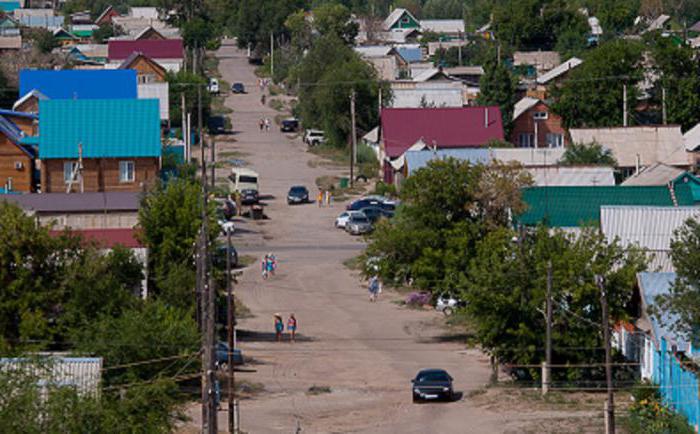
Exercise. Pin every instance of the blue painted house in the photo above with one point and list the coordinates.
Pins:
(665, 357)
(96, 145)
(79, 84)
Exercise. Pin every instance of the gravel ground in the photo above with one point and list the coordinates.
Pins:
(366, 353)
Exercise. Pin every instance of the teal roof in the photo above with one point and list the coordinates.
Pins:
(575, 206)
(105, 128)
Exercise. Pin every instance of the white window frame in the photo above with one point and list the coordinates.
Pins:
(554, 140)
(530, 140)
(124, 166)
(540, 116)
(68, 169)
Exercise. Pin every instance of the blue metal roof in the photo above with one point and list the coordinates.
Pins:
(652, 285)
(43, 21)
(10, 130)
(80, 84)
(410, 55)
(417, 159)
(105, 128)
(9, 6)
(6, 112)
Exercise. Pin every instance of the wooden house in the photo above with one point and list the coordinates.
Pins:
(536, 126)
(29, 102)
(16, 159)
(106, 16)
(99, 145)
(147, 69)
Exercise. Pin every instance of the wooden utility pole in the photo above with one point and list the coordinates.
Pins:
(610, 403)
(272, 55)
(353, 155)
(663, 105)
(184, 125)
(230, 323)
(547, 371)
(212, 154)
(199, 128)
(624, 105)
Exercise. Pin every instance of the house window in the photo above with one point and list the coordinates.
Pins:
(126, 171)
(540, 116)
(404, 20)
(70, 171)
(555, 140)
(146, 78)
(526, 140)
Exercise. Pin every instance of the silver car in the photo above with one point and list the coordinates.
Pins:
(358, 224)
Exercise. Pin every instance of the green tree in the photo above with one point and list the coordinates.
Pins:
(300, 30)
(497, 87)
(678, 68)
(187, 83)
(106, 31)
(42, 39)
(615, 16)
(505, 290)
(197, 32)
(593, 94)
(443, 9)
(335, 19)
(587, 154)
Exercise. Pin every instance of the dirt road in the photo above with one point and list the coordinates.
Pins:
(366, 353)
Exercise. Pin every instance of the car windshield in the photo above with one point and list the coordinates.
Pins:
(297, 190)
(432, 376)
(359, 219)
(245, 178)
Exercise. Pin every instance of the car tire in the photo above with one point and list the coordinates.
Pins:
(447, 311)
(416, 399)
(450, 396)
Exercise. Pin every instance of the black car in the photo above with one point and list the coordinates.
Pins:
(432, 384)
(374, 213)
(237, 88)
(218, 259)
(297, 194)
(363, 203)
(216, 125)
(222, 355)
(289, 125)
(249, 196)
(227, 210)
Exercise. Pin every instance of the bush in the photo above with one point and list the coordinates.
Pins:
(365, 154)
(418, 299)
(648, 415)
(384, 189)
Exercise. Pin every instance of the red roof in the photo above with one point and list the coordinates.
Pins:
(153, 48)
(106, 238)
(460, 127)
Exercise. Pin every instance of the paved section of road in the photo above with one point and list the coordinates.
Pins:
(365, 352)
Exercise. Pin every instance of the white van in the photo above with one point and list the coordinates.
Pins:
(214, 86)
(242, 178)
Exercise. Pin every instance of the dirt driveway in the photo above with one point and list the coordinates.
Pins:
(366, 353)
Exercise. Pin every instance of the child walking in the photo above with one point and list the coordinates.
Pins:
(292, 327)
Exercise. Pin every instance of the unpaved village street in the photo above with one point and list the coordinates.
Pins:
(366, 353)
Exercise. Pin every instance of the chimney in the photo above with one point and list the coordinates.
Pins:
(486, 117)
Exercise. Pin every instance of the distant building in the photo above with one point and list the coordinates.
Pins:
(169, 53)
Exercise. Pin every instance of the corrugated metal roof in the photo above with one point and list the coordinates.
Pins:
(9, 6)
(574, 206)
(418, 159)
(573, 176)
(105, 238)
(529, 157)
(657, 174)
(653, 144)
(434, 97)
(157, 91)
(105, 128)
(525, 104)
(526, 157)
(410, 54)
(648, 227)
(82, 373)
(651, 285)
(559, 70)
(77, 202)
(542, 60)
(79, 84)
(154, 48)
(374, 50)
(442, 26)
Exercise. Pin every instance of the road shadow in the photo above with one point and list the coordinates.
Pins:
(447, 338)
(256, 336)
(266, 197)
(456, 397)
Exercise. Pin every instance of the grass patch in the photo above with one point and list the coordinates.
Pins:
(232, 154)
(354, 263)
(318, 390)
(277, 104)
(336, 155)
(275, 90)
(211, 66)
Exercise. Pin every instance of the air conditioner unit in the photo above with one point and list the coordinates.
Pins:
(19, 165)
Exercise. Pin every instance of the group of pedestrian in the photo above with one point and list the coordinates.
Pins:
(268, 265)
(291, 327)
(324, 197)
(263, 83)
(264, 124)
(374, 286)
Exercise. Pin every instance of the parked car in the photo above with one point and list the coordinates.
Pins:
(225, 225)
(216, 125)
(297, 194)
(222, 355)
(290, 125)
(447, 303)
(374, 213)
(249, 196)
(432, 384)
(237, 88)
(362, 203)
(343, 218)
(213, 86)
(358, 224)
(218, 258)
(314, 137)
(228, 209)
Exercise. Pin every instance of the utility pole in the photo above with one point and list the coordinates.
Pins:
(272, 55)
(379, 98)
(184, 125)
(230, 323)
(624, 105)
(199, 128)
(212, 149)
(353, 155)
(663, 105)
(610, 403)
(547, 371)
(459, 54)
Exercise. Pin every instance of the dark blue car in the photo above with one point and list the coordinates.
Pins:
(222, 354)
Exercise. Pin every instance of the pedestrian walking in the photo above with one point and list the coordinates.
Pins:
(270, 264)
(292, 327)
(267, 124)
(261, 123)
(262, 99)
(279, 327)
(263, 266)
(260, 84)
(374, 287)
(319, 198)
(328, 198)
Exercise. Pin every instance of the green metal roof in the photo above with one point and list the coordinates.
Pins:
(105, 128)
(575, 206)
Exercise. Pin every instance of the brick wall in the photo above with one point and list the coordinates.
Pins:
(526, 124)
